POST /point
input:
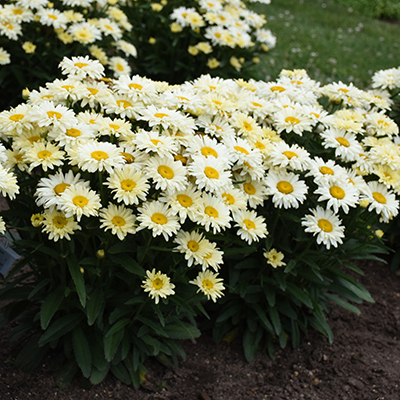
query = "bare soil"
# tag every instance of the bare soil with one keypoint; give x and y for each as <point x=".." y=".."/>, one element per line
<point x="362" y="363"/>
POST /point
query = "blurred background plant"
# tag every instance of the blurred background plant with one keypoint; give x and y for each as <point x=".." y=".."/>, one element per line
<point x="36" y="35"/>
<point x="148" y="212"/>
<point x="180" y="40"/>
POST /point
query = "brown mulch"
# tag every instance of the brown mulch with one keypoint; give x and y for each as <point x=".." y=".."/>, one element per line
<point x="362" y="363"/>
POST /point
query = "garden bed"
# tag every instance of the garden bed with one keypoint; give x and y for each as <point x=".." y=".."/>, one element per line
<point x="362" y="363"/>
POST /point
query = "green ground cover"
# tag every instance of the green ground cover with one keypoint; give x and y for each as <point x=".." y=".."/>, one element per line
<point x="328" y="40"/>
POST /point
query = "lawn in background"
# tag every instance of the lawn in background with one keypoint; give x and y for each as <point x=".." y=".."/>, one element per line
<point x="330" y="41"/>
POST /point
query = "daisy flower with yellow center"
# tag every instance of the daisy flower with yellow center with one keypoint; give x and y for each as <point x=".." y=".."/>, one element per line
<point x="49" y="190"/>
<point x="77" y="134"/>
<point x="206" y="146"/>
<point x="286" y="189"/>
<point x="209" y="284"/>
<point x="119" y="66"/>
<point x="386" y="79"/>
<point x="52" y="17"/>
<point x="324" y="171"/>
<point x="63" y="89"/>
<point x="214" y="103"/>
<point x="292" y="119"/>
<point x="136" y="87"/>
<point x="96" y="93"/>
<point x="79" y="200"/>
<point x="215" y="125"/>
<point x="339" y="194"/>
<point x="168" y="175"/>
<point x="153" y="142"/>
<point x="380" y="125"/>
<point x="193" y="245"/>
<point x="49" y="114"/>
<point x="15" y="158"/>
<point x="345" y="143"/>
<point x="293" y="157"/>
<point x="255" y="191"/>
<point x="241" y="152"/>
<point x="235" y="199"/>
<point x="37" y="220"/>
<point x="16" y="120"/>
<point x="213" y="213"/>
<point x="84" y="33"/>
<point x="274" y="258"/>
<point x="8" y="183"/>
<point x="44" y="154"/>
<point x="114" y="127"/>
<point x="123" y="106"/>
<point x="252" y="227"/>
<point x="58" y="226"/>
<point x="382" y="200"/>
<point x="183" y="203"/>
<point x="385" y="152"/>
<point x="158" y="285"/>
<point x="158" y="218"/>
<point x="389" y="177"/>
<point x="246" y="125"/>
<point x="210" y="174"/>
<point x="213" y="257"/>
<point x="119" y="219"/>
<point x="97" y="156"/>
<point x="326" y="225"/>
<point x="128" y="184"/>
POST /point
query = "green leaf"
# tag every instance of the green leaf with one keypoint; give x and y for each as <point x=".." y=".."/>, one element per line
<point x="82" y="351"/>
<point x="30" y="355"/>
<point x="129" y="264"/>
<point x="154" y="326"/>
<point x="94" y="305"/>
<point x="290" y="266"/>
<point x="50" y="307"/>
<point x="66" y="374"/>
<point x="60" y="327"/>
<point x="77" y="277"/>
<point x="121" y="373"/>
<point x="38" y="287"/>
<point x="343" y="303"/>
<point x="111" y="344"/>
<point x="181" y="330"/>
<point x="357" y="289"/>
<point x="295" y="333"/>
<point x="117" y="327"/>
<point x="233" y="309"/>
<point x="263" y="318"/>
<point x="300" y="294"/>
<point x="276" y="322"/>
<point x="250" y="343"/>
<point x="97" y="376"/>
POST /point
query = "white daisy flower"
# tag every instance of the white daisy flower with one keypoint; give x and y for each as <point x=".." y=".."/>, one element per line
<point x="58" y="226"/>
<point x="252" y="227"/>
<point x="8" y="183"/>
<point x="193" y="245"/>
<point x="209" y="285"/>
<point x="119" y="219"/>
<point x="286" y="188"/>
<point x="285" y="156"/>
<point x="292" y="119"/>
<point x="322" y="170"/>
<point x="82" y="67"/>
<point x="44" y="154"/>
<point x="119" y="66"/>
<point x="326" y="225"/>
<point x="153" y="142"/>
<point x="49" y="114"/>
<point x="255" y="191"/>
<point x="157" y="217"/>
<point x="274" y="258"/>
<point x="84" y="32"/>
<point x="158" y="285"/>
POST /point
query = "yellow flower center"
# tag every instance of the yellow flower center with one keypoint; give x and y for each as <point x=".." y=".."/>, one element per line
<point x="342" y="141"/>
<point x="16" y="117"/>
<point x="81" y="64"/>
<point x="208" y="151"/>
<point x="80" y="201"/>
<point x="211" y="173"/>
<point x="34" y="139"/>
<point x="379" y="197"/>
<point x="325" y="225"/>
<point x="326" y="170"/>
<point x="67" y="87"/>
<point x="256" y="104"/>
<point x="129" y="159"/>
<point x="158" y="283"/>
<point x="114" y="126"/>
<point x="228" y="198"/>
<point x="73" y="132"/>
<point x="289" y="154"/>
<point x="249" y="188"/>
<point x="193" y="245"/>
<point x="119" y="67"/>
<point x="118" y="221"/>
<point x="99" y="155"/>
<point x="166" y="172"/>
<point x="217" y="102"/>
<point x="159" y="218"/>
<point x="241" y="150"/>
<point x="44" y="154"/>
<point x="184" y="200"/>
<point x="60" y="222"/>
<point x="296" y="82"/>
<point x="249" y="224"/>
<point x="277" y="88"/>
<point x="128" y="185"/>
<point x="284" y="187"/>
<point x="247" y="126"/>
<point x="60" y="188"/>
<point x="124" y="103"/>
<point x="135" y="86"/>
<point x="161" y="115"/>
<point x="343" y="90"/>
<point x="54" y="114"/>
<point x="155" y="141"/>
<point x="93" y="91"/>
<point x="218" y="128"/>
<point x="181" y="158"/>
<point x="259" y="145"/>
<point x="211" y="212"/>
<point x="292" y="120"/>
<point x="208" y="284"/>
<point x="337" y="192"/>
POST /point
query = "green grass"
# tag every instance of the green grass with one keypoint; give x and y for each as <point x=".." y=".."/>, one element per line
<point x="329" y="41"/>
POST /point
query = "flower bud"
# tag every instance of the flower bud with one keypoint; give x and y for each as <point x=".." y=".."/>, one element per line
<point x="100" y="254"/>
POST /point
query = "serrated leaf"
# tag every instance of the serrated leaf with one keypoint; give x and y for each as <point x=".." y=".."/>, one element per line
<point x="121" y="373"/>
<point x="66" y="374"/>
<point x="276" y="322"/>
<point x="300" y="294"/>
<point x="97" y="376"/>
<point x="111" y="344"/>
<point x="181" y="330"/>
<point x="263" y="318"/>
<point x="129" y="264"/>
<point x="82" y="351"/>
<point x="250" y="343"/>
<point x="94" y="305"/>
<point x="154" y="326"/>
<point x="117" y="327"/>
<point x="50" y="307"/>
<point x="343" y="303"/>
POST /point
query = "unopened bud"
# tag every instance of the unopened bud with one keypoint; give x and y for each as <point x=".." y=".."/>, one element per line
<point x="100" y="254"/>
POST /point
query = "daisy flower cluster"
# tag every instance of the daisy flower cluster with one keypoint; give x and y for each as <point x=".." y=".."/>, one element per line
<point x="35" y="35"/>
<point x="222" y="37"/>
<point x="200" y="167"/>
